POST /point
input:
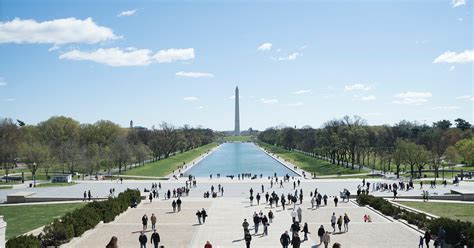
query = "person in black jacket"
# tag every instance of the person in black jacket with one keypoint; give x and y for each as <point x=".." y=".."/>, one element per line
<point x="296" y="241"/>
<point x="155" y="239"/>
<point x="203" y="215"/>
<point x="285" y="240"/>
<point x="247" y="238"/>
<point x="321" y="232"/>
<point x="142" y="239"/>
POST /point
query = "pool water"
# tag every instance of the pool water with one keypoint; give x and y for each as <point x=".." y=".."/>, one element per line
<point x="237" y="158"/>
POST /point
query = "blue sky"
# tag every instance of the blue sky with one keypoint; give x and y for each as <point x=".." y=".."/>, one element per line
<point x="296" y="63"/>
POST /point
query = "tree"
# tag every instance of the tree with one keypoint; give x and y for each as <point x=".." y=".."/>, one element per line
<point x="462" y="124"/>
<point x="35" y="155"/>
<point x="10" y="139"/>
<point x="466" y="150"/>
<point x="444" y="124"/>
<point x="120" y="152"/>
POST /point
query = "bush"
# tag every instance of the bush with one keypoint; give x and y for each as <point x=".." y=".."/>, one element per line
<point x="24" y="241"/>
<point x="457" y="232"/>
<point x="75" y="223"/>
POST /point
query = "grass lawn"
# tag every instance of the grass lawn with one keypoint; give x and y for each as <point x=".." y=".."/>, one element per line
<point x="239" y="138"/>
<point x="5" y="187"/>
<point x="164" y="167"/>
<point x="310" y="164"/>
<point x="44" y="185"/>
<point x="460" y="211"/>
<point x="22" y="219"/>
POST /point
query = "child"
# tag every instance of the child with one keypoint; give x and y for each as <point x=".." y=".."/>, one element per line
<point x="420" y="245"/>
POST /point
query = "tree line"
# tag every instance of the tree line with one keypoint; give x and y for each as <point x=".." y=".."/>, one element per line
<point x="62" y="144"/>
<point x="350" y="142"/>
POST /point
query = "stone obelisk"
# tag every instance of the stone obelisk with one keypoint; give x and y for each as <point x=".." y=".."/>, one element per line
<point x="237" y="114"/>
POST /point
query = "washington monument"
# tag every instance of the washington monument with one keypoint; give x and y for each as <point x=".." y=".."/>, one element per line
<point x="237" y="114"/>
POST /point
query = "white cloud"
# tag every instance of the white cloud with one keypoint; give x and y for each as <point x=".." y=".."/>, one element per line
<point x="3" y="82"/>
<point x="460" y="19"/>
<point x="265" y="46"/>
<point x="173" y="54"/>
<point x="357" y="87"/>
<point x="457" y="3"/>
<point x="466" y="97"/>
<point x="10" y="100"/>
<point x="446" y="108"/>
<point x="451" y="68"/>
<point x="303" y="47"/>
<point x="268" y="101"/>
<point x="57" y="31"/>
<point x="53" y="48"/>
<point x="199" y="107"/>
<point x="127" y="13"/>
<point x="292" y="56"/>
<point x="368" y="98"/>
<point x="195" y="74"/>
<point x="412" y="98"/>
<point x="296" y="104"/>
<point x="452" y="57"/>
<point x="111" y="56"/>
<point x="190" y="98"/>
<point x="302" y="92"/>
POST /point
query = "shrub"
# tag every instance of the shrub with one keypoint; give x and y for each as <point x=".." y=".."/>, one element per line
<point x="456" y="230"/>
<point x="24" y="241"/>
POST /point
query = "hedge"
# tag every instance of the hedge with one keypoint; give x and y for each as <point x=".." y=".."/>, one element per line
<point x="458" y="233"/>
<point x="75" y="223"/>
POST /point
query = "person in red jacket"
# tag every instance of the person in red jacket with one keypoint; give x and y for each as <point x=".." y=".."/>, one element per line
<point x="208" y="245"/>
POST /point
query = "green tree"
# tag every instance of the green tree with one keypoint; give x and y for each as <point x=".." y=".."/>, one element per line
<point x="466" y="150"/>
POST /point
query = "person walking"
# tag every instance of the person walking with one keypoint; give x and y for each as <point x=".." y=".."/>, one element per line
<point x="145" y="222"/>
<point x="247" y="238"/>
<point x="85" y="196"/>
<point x="113" y="243"/>
<point x="296" y="241"/>
<point x="339" y="223"/>
<point x="299" y="211"/>
<point x="256" y="222"/>
<point x="313" y="200"/>
<point x="333" y="222"/>
<point x="427" y="237"/>
<point x="305" y="231"/>
<point x="155" y="239"/>
<point x="335" y="201"/>
<point x="89" y="195"/>
<point x="142" y="240"/>
<point x="203" y="215"/>
<point x="173" y="204"/>
<point x="153" y="221"/>
<point x="251" y="200"/>
<point x="150" y="197"/>
<point x="178" y="202"/>
<point x="321" y="233"/>
<point x="285" y="240"/>
<point x="198" y="214"/>
<point x="295" y="228"/>
<point x="258" y="198"/>
<point x="326" y="239"/>
<point x="346" y="222"/>
<point x="293" y="216"/>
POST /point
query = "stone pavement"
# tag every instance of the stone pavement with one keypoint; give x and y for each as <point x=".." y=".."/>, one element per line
<point x="223" y="227"/>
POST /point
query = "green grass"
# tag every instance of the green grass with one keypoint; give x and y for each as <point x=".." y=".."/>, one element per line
<point x="239" y="138"/>
<point x="164" y="167"/>
<point x="459" y="211"/>
<point x="44" y="185"/>
<point x="5" y="187"/>
<point x="310" y="164"/>
<point x="22" y="219"/>
<point x="367" y="176"/>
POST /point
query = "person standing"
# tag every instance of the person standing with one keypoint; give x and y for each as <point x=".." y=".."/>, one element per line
<point x="270" y="216"/>
<point x="258" y="198"/>
<point x="265" y="225"/>
<point x="326" y="239"/>
<point x="245" y="225"/>
<point x="296" y="241"/>
<point x="85" y="196"/>
<point x="178" y="202"/>
<point x="153" y="221"/>
<point x="333" y="222"/>
<point x="335" y="201"/>
<point x="346" y="222"/>
<point x="256" y="222"/>
<point x="251" y="200"/>
<point x="150" y="197"/>
<point x="203" y="215"/>
<point x="145" y="222"/>
<point x="208" y="244"/>
<point x="142" y="239"/>
<point x="198" y="214"/>
<point x="173" y="204"/>
<point x="247" y="238"/>
<point x="293" y="216"/>
<point x="305" y="231"/>
<point x="155" y="239"/>
<point x="113" y="243"/>
<point x="89" y="195"/>
<point x="321" y="233"/>
<point x="285" y="239"/>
